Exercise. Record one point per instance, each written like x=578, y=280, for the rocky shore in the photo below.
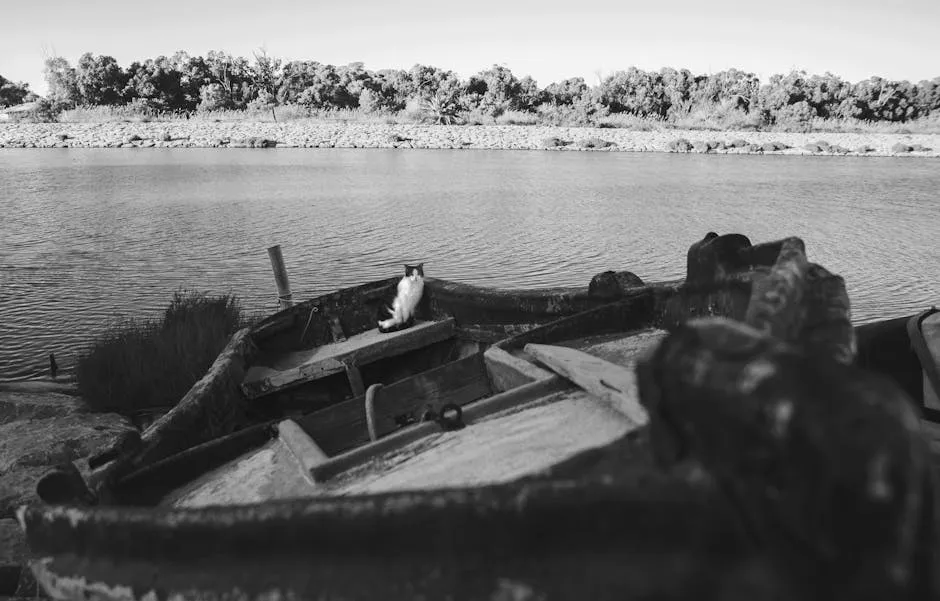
x=299, y=134
x=42, y=424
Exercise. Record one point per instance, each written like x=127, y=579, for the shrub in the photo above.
x=517, y=118
x=151, y=364
x=596, y=143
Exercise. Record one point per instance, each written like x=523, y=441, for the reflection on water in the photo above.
x=93, y=236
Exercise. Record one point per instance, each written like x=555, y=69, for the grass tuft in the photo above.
x=139, y=366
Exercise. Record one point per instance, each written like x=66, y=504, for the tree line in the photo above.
x=219, y=80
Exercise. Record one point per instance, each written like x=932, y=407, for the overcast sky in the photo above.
x=549, y=40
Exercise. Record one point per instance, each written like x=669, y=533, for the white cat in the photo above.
x=410, y=289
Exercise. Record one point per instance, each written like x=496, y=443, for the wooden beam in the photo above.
x=344, y=425
x=613, y=383
x=355, y=379
x=507, y=371
x=304, y=449
x=313, y=364
x=284, y=296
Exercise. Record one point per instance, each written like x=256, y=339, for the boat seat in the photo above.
x=299, y=367
x=343, y=426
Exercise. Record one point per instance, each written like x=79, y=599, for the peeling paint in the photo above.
x=782, y=414
x=754, y=374
x=879, y=488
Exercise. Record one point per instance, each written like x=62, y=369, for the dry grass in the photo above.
x=149, y=364
x=716, y=117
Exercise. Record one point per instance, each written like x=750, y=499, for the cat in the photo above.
x=410, y=289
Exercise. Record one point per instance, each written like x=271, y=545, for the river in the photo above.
x=90, y=237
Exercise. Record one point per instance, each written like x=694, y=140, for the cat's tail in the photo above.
x=396, y=318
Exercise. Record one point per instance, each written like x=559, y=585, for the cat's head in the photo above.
x=414, y=270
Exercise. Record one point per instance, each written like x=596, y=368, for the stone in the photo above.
x=546, y=142
x=920, y=148
x=613, y=284
x=596, y=143
x=901, y=148
x=823, y=144
x=699, y=146
x=15, y=406
x=131, y=138
x=30, y=447
x=864, y=148
x=738, y=143
x=680, y=145
x=755, y=148
x=769, y=147
x=813, y=147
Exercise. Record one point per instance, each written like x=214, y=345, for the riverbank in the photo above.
x=296, y=134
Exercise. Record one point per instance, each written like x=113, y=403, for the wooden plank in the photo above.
x=474, y=411
x=305, y=366
x=304, y=449
x=507, y=371
x=612, y=383
x=343, y=425
x=355, y=380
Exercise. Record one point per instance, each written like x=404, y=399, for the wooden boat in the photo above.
x=327, y=350
x=541, y=487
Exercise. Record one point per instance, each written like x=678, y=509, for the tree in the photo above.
x=62, y=82
x=230, y=78
x=11, y=93
x=390, y=90
x=158, y=82
x=565, y=92
x=265, y=74
x=100, y=80
x=502, y=91
x=352, y=79
x=634, y=91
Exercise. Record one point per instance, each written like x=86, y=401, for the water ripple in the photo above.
x=94, y=237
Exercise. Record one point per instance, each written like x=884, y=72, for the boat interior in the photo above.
x=441, y=403
x=476, y=414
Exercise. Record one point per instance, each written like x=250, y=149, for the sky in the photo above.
x=550, y=40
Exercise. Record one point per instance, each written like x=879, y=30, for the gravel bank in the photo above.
x=200, y=134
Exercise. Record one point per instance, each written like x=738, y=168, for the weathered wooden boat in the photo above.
x=327, y=350
x=533, y=479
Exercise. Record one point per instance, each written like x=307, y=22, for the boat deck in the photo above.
x=265, y=474
x=280, y=371
x=499, y=447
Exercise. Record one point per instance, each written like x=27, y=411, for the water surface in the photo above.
x=88, y=237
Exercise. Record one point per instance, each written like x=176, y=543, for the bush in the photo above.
x=151, y=364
